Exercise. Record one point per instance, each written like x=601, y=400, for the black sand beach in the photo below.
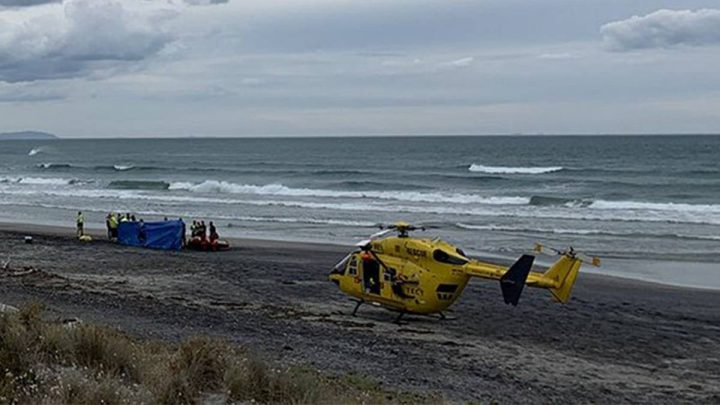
x=617, y=341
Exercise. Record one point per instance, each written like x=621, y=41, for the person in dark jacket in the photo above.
x=213, y=232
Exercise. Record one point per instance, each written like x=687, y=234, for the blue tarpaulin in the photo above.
x=166, y=235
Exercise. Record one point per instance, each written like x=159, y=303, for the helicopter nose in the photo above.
x=334, y=277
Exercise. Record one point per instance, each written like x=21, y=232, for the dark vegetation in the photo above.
x=50, y=362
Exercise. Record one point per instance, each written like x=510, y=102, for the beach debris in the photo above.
x=10, y=272
x=24, y=272
x=7, y=308
x=28, y=239
x=70, y=323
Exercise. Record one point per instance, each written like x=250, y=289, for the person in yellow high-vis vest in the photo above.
x=80, y=222
x=112, y=226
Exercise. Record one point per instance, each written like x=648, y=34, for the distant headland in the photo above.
x=26, y=135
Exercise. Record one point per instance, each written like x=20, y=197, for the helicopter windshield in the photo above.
x=341, y=266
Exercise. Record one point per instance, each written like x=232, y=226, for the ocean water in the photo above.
x=648, y=205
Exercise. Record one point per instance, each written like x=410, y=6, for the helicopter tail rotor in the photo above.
x=594, y=260
x=565, y=270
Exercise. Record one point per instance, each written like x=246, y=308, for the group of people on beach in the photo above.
x=199, y=232
x=199, y=229
x=113, y=220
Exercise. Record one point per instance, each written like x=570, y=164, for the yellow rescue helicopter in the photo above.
x=426, y=276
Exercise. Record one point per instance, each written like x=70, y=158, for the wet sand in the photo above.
x=616, y=341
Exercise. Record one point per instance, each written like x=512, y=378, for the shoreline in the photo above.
x=98, y=234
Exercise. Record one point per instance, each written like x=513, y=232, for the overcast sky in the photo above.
x=102, y=68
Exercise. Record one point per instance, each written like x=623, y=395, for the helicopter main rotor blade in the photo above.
x=380, y=234
x=363, y=243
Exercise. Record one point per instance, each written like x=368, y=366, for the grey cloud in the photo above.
x=663, y=28
x=30, y=97
x=84, y=35
x=25, y=3
x=403, y=25
x=205, y=2
x=322, y=67
x=28, y=92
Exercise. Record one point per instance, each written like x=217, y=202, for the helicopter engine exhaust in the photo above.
x=513, y=281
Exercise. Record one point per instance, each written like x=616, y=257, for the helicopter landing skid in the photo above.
x=444, y=317
x=359, y=302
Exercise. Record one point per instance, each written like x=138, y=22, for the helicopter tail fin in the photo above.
x=563, y=274
x=513, y=281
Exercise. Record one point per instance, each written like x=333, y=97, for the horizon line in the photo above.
x=62, y=137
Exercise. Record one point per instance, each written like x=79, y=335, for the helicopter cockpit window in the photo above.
x=352, y=268
x=443, y=257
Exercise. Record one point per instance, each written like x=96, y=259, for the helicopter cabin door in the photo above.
x=371, y=276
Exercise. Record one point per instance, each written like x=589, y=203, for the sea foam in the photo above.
x=512, y=170
x=48, y=181
x=213, y=186
x=650, y=206
x=585, y=232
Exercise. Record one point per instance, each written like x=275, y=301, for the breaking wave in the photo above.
x=622, y=205
x=65, y=166
x=649, y=206
x=118, y=168
x=213, y=186
x=512, y=170
x=315, y=221
x=435, y=201
x=54, y=166
x=39, y=181
x=541, y=201
x=585, y=232
x=692, y=216
x=35, y=151
x=139, y=185
x=223, y=187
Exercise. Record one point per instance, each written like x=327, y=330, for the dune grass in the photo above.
x=44, y=362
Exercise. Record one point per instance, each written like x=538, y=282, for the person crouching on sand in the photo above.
x=80, y=222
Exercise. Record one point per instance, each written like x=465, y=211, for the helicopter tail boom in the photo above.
x=558, y=279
